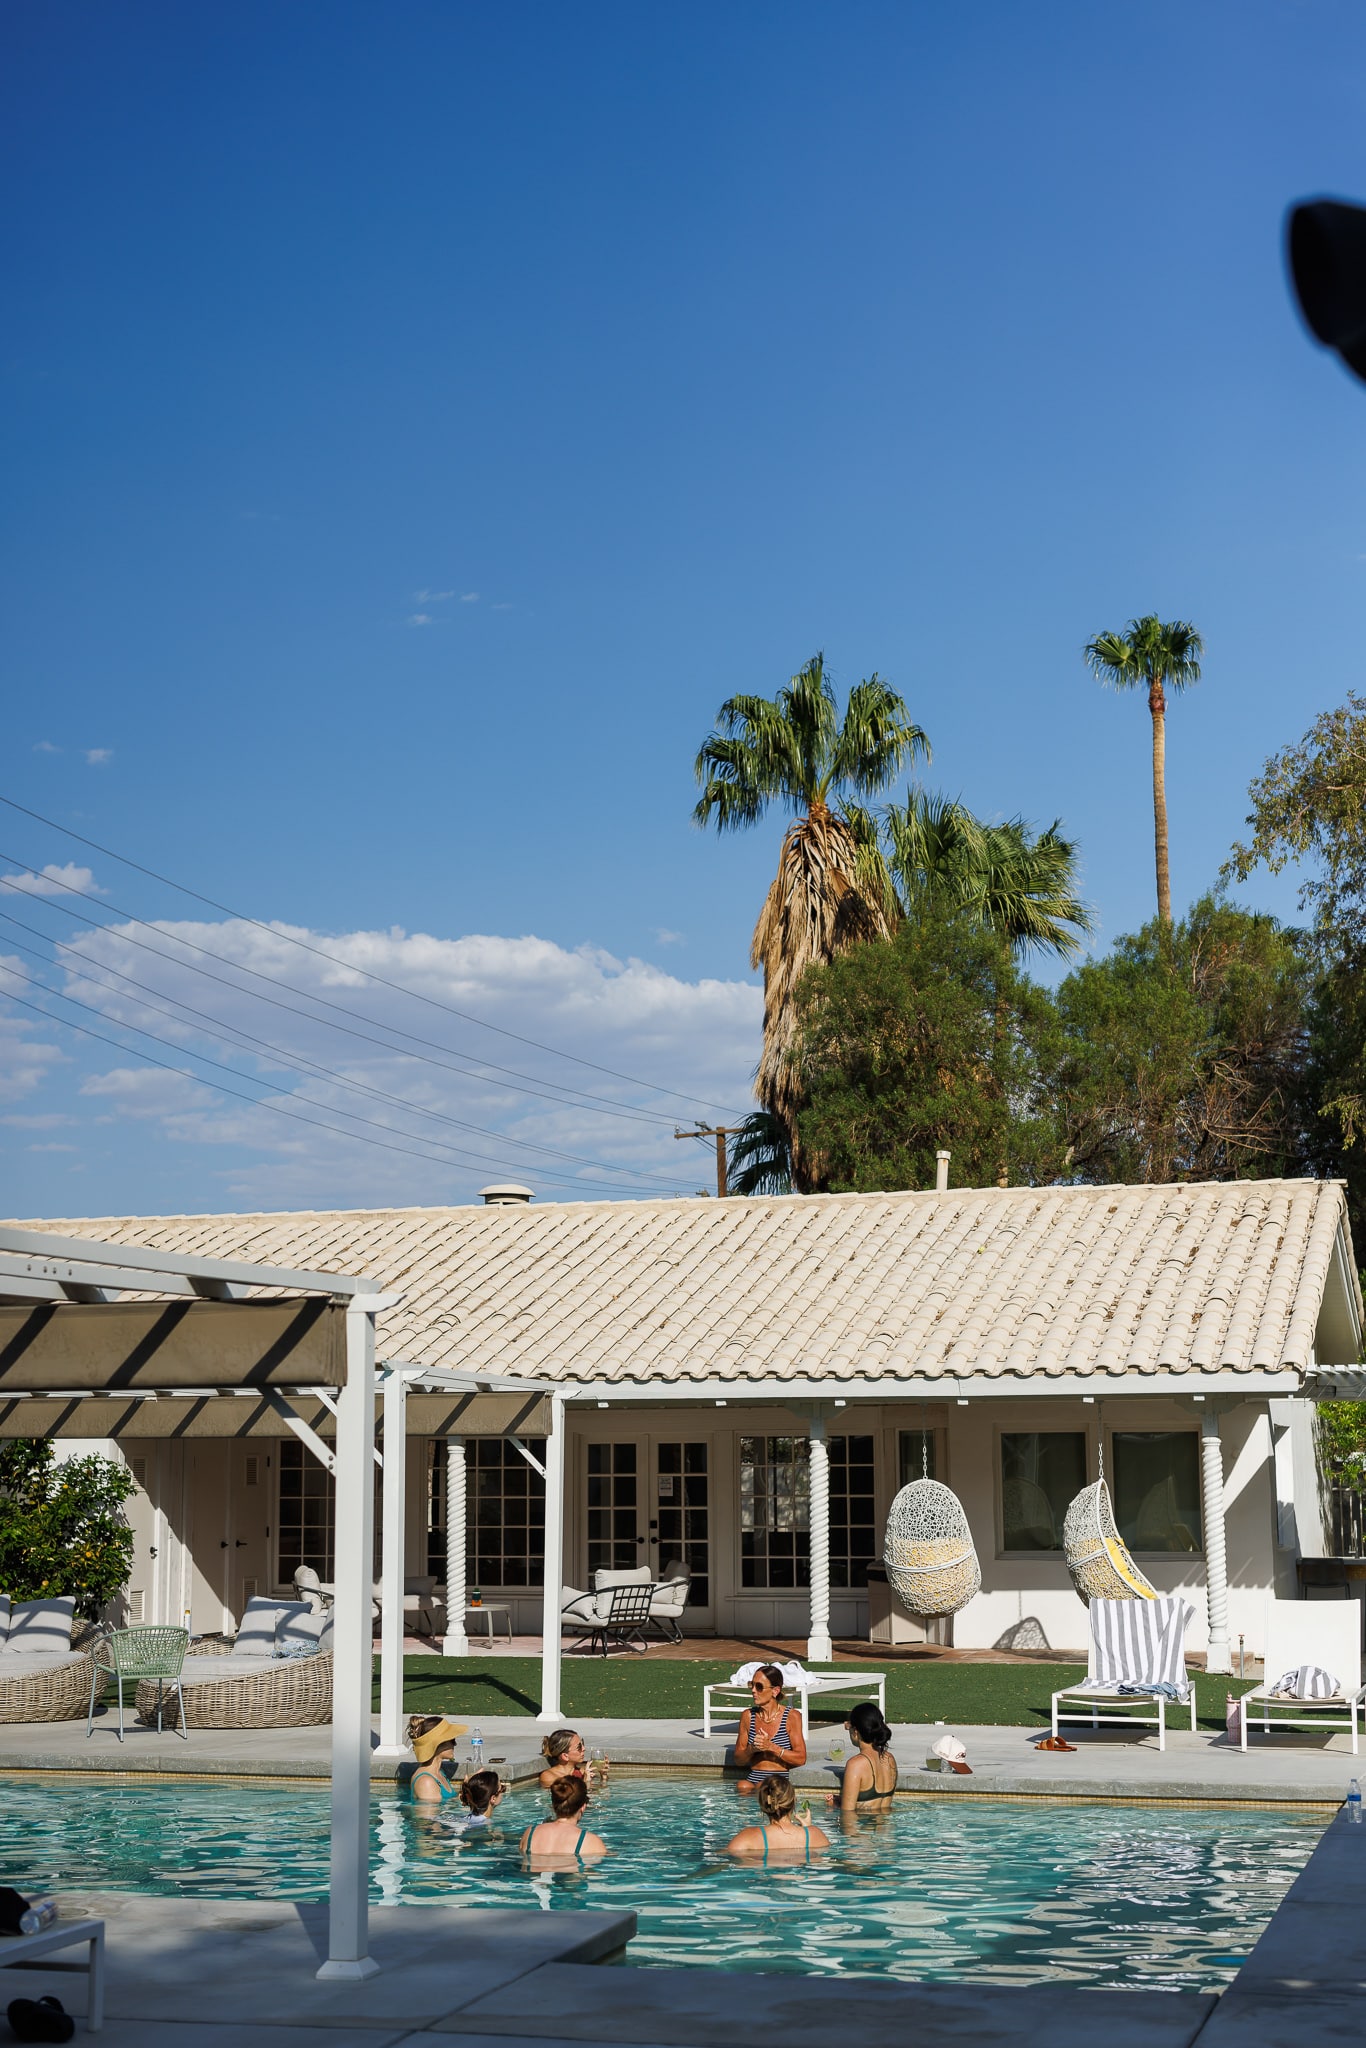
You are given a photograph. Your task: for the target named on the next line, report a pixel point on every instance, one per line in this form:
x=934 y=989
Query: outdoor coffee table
x=490 y=1608
x=818 y=1685
x=23 y=1952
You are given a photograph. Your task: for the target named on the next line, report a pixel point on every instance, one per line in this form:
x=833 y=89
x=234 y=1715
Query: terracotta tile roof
x=1020 y=1283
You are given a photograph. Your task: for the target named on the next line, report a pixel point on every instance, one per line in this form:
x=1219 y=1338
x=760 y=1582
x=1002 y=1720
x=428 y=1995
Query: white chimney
x=506 y=1194
x=941 y=1171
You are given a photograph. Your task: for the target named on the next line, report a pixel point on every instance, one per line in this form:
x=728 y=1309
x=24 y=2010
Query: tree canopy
x=62 y=1525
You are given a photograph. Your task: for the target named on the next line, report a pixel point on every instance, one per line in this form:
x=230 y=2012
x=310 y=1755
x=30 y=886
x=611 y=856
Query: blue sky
x=419 y=420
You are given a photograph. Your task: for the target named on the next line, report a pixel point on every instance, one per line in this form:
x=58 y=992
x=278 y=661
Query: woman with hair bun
x=566 y=1836
x=870 y=1775
x=783 y=1835
x=565 y=1757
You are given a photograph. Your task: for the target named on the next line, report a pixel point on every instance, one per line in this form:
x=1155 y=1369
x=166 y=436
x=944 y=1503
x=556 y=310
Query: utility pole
x=720 y=1132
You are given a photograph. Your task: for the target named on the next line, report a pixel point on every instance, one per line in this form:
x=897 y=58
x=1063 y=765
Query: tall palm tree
x=832 y=889
x=1157 y=656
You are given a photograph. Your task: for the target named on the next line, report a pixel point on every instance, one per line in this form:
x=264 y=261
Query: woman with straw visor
x=432 y=1739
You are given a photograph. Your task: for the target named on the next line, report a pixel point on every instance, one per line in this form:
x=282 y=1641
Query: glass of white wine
x=836 y=1749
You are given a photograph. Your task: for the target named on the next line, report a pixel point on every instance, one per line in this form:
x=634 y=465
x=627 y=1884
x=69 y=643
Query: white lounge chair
x=1133 y=1642
x=813 y=1685
x=1300 y=1632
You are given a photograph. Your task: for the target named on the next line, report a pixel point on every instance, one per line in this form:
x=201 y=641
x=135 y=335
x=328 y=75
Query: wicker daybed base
x=287 y=1692
x=60 y=1694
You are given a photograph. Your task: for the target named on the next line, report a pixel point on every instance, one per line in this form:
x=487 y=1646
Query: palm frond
x=760 y=1160
x=1016 y=881
x=1149 y=652
x=876 y=740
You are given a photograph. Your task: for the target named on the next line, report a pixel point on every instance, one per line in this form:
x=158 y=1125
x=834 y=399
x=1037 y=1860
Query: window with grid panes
x=505 y=1515
x=614 y=1530
x=683 y=1511
x=775 y=1511
x=305 y=1529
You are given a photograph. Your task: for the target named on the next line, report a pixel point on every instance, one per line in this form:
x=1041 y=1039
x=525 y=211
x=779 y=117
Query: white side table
x=22 y=1952
x=490 y=1608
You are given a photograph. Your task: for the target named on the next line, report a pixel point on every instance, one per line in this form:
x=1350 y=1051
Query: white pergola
x=71 y=1335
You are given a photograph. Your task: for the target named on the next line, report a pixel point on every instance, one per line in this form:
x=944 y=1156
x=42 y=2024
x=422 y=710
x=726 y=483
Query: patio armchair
x=149 y=1654
x=310 y=1588
x=1301 y=1633
x=668 y=1598
x=1138 y=1647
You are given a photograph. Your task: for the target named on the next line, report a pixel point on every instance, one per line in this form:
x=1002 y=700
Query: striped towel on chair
x=1307 y=1682
x=1139 y=1642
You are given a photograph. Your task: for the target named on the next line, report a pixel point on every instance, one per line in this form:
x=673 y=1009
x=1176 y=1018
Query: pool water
x=1005 y=1892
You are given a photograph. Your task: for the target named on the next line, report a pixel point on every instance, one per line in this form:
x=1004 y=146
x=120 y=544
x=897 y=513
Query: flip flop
x=40 y=2019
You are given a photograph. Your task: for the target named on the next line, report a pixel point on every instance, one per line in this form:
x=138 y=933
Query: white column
x=554 y=1563
x=455 y=1643
x=819 y=1647
x=392 y=1549
x=1216 y=1554
x=348 y=1928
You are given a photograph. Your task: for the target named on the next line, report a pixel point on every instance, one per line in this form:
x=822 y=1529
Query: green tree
x=1309 y=804
x=831 y=891
x=1185 y=1051
x=62 y=1526
x=1156 y=656
x=1010 y=878
x=904 y=1051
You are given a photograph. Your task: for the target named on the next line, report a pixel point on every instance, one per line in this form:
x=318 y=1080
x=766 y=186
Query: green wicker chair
x=149 y=1654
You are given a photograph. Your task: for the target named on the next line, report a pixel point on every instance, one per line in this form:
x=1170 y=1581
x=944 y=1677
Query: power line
x=246 y=1040
x=564 y=1098
x=451 y=1157
x=336 y=960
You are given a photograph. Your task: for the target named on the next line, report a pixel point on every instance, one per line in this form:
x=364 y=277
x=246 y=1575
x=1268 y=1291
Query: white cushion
x=4 y=1618
x=42 y=1625
x=671 y=1597
x=604 y=1582
x=28 y=1663
x=266 y=1624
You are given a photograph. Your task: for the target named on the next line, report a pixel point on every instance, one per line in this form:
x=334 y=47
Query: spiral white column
x=819 y=1648
x=1216 y=1551
x=455 y=1643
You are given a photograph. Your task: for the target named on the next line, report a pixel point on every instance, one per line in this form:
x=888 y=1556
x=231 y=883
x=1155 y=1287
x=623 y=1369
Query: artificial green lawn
x=618 y=1688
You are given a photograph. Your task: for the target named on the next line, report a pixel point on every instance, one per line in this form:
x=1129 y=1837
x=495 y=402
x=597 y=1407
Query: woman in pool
x=567 y=1836
x=431 y=1737
x=479 y=1795
x=565 y=1757
x=870 y=1775
x=769 y=1739
x=782 y=1836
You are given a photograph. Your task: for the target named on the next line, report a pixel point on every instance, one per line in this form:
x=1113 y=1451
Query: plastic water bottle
x=477 y=1751
x=41 y=1913
x=1354 y=1801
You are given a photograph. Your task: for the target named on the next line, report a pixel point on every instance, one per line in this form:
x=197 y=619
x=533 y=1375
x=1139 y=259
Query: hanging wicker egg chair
x=928 y=1551
x=1096 y=1553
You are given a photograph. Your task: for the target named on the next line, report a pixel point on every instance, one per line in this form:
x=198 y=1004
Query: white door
x=210 y=1539
x=648 y=1502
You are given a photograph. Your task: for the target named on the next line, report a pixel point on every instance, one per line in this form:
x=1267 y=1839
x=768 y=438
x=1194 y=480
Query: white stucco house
x=745 y=1384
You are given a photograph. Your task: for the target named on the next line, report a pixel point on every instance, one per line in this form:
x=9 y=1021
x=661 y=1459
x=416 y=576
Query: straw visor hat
x=425 y=1746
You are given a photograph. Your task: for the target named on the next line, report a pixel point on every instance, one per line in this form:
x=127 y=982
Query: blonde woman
x=782 y=1836
x=565 y=1757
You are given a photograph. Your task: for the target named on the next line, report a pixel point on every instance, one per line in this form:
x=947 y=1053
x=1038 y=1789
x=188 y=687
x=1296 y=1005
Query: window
x=775 y=1521
x=915 y=1455
x=505 y=1506
x=852 y=1542
x=306 y=1516
x=1157 y=1489
x=1042 y=1472
x=683 y=1512
x=775 y=1511
x=614 y=1529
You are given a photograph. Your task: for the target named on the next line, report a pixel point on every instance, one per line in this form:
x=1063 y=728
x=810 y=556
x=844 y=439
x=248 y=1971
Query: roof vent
x=506 y=1194
x=941 y=1170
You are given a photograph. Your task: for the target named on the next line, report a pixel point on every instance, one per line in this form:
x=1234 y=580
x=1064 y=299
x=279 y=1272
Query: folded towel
x=1155 y=1691
x=792 y=1673
x=1307 y=1682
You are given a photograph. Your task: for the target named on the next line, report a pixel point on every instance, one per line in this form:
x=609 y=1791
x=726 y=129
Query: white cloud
x=664 y=937
x=54 y=881
x=52 y=1146
x=469 y=597
x=701 y=1037
x=98 y=756
x=419 y=618
x=46 y=747
x=432 y=596
x=502 y=607
x=25 y=1062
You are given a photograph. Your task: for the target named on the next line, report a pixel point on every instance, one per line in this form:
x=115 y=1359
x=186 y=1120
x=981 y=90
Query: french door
x=647 y=1500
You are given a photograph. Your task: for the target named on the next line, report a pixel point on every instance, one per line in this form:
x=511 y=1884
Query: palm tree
x=1159 y=656
x=760 y=1157
x=1009 y=878
x=832 y=889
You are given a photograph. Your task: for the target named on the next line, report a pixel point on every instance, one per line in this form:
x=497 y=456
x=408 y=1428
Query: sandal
x=40 y=2019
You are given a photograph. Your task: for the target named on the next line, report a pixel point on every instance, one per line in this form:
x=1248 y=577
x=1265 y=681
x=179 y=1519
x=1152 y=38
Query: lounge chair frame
x=1278 y=1711
x=819 y=1685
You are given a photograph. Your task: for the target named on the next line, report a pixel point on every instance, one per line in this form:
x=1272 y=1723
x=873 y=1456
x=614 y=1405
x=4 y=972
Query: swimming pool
x=1165 y=1898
